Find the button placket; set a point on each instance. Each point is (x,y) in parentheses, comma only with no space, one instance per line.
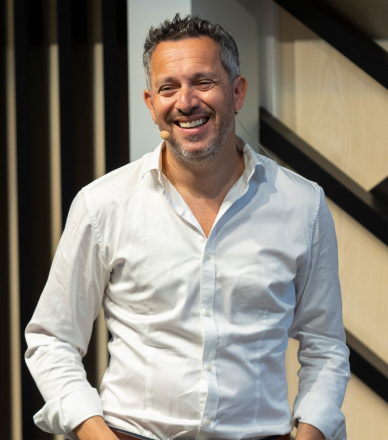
(207,422)
(210,339)
(208,367)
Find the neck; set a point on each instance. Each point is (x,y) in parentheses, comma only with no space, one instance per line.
(205,180)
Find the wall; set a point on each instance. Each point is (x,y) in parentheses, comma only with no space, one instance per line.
(62,124)
(141,16)
(341,112)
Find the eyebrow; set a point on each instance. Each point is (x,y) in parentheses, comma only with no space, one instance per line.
(195,77)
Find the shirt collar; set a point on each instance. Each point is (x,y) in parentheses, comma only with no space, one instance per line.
(154,161)
(252,160)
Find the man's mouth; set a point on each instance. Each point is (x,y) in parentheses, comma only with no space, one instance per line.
(191,124)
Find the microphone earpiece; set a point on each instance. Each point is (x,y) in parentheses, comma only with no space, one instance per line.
(164,134)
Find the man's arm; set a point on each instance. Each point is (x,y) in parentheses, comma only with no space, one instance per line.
(308,432)
(59,331)
(94,429)
(318,326)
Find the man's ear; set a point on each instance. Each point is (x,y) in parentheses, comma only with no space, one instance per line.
(148,102)
(240,87)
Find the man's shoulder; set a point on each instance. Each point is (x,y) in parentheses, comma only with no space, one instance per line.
(295,190)
(119,185)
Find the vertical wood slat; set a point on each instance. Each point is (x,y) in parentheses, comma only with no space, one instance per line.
(33,182)
(114,22)
(110,84)
(122,80)
(68,168)
(76,116)
(95,6)
(24,200)
(12,391)
(55,146)
(55,133)
(75,99)
(54,125)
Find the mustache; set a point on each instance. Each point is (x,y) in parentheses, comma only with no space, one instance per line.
(196,111)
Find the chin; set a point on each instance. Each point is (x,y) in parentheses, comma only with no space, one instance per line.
(204,153)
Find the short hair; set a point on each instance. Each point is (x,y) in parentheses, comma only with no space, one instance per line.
(192,27)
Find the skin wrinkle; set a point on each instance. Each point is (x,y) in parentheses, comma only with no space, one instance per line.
(200,75)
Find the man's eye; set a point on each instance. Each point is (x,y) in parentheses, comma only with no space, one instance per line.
(167,90)
(205,84)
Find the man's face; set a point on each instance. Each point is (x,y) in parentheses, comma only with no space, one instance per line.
(189,86)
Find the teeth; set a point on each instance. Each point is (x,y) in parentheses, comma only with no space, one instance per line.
(192,123)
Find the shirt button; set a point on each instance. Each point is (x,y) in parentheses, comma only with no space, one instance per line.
(208,367)
(207,312)
(207,256)
(206,422)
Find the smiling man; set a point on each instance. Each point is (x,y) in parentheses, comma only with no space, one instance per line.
(206,258)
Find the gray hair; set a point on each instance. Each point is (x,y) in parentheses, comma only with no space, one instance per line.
(192,27)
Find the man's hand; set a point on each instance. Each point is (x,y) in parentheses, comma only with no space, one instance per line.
(94,429)
(308,432)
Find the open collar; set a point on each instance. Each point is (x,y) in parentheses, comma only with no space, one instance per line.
(252,160)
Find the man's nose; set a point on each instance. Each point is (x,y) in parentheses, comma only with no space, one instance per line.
(187,99)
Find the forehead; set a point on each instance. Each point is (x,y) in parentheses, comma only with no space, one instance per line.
(184,57)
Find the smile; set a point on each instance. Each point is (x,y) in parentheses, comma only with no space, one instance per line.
(192,124)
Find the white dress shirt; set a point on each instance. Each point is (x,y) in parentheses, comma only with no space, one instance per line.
(199,325)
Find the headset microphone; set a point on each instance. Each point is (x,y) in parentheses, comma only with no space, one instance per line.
(164,134)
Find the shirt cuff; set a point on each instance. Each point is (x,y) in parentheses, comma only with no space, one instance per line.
(62,414)
(317,410)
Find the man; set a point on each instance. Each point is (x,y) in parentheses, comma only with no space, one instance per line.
(206,257)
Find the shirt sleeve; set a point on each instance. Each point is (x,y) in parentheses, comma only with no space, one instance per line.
(60,329)
(318,326)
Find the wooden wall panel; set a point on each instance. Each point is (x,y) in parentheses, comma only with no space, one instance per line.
(363,265)
(365,412)
(52,80)
(293,366)
(341,111)
(333,104)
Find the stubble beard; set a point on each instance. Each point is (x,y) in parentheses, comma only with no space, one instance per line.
(211,150)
